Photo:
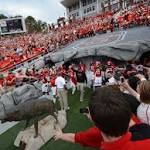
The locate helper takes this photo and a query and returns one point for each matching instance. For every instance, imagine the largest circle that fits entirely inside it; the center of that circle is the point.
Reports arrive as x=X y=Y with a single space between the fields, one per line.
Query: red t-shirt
x=93 y=138
x=52 y=81
x=72 y=76
x=1 y=82
x=125 y=143
x=82 y=67
x=63 y=72
x=10 y=79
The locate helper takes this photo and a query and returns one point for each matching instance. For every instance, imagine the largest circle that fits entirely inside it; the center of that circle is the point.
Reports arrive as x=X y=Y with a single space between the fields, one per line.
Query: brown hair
x=144 y=87
x=108 y=106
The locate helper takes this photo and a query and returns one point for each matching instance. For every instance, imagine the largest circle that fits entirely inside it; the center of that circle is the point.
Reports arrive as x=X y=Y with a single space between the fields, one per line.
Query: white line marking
x=6 y=126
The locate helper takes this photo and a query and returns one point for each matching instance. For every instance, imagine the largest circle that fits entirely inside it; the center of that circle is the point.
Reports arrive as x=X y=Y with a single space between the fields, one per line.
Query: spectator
x=143 y=110
x=111 y=114
x=110 y=77
x=62 y=91
x=73 y=80
x=81 y=80
x=10 y=79
x=45 y=88
x=142 y=94
x=97 y=81
x=53 y=87
x=133 y=82
x=19 y=78
x=22 y=47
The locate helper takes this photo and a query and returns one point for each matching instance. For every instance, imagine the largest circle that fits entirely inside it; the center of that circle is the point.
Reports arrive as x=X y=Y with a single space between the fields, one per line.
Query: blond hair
x=144 y=88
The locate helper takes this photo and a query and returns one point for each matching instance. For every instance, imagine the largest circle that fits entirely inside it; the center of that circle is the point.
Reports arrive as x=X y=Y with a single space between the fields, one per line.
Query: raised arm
x=69 y=137
x=130 y=90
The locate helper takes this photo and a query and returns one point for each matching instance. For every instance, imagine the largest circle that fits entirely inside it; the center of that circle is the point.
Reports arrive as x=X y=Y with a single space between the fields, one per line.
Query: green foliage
x=2 y=16
x=16 y=16
x=1 y=76
x=35 y=26
x=30 y=24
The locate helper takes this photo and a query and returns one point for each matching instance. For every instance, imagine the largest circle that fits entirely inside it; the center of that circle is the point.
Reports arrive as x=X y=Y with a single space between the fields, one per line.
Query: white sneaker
x=68 y=108
x=54 y=100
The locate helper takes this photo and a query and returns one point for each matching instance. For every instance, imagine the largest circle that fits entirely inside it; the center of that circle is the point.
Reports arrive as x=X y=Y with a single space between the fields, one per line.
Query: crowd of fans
x=15 y=49
x=121 y=90
x=116 y=126
x=119 y=106
x=121 y=94
x=97 y=74
x=116 y=89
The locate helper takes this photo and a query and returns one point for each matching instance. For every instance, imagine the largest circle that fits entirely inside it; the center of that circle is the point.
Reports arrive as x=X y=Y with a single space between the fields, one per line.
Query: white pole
x=97 y=6
x=80 y=9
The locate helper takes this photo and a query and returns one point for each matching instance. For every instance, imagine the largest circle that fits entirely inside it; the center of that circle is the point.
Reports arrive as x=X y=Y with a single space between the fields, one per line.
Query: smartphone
x=84 y=110
x=122 y=79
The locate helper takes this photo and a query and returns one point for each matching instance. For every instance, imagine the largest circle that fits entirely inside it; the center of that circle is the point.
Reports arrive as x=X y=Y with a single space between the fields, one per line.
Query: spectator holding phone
x=142 y=93
x=114 y=129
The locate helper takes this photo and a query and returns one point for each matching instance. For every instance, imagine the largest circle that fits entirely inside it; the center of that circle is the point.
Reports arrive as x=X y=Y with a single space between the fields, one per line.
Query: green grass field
x=76 y=122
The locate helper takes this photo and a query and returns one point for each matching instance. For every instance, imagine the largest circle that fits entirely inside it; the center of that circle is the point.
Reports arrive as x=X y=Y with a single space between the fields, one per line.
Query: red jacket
x=125 y=143
x=93 y=138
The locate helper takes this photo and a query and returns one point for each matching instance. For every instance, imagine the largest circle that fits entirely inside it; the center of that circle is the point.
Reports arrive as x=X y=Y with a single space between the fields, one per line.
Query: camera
x=84 y=110
x=122 y=79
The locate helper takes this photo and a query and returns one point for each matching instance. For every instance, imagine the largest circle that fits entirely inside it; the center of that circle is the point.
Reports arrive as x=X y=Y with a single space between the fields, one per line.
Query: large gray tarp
x=122 y=45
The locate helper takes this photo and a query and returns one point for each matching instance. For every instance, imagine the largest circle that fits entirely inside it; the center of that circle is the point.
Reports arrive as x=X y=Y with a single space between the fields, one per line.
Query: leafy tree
x=35 y=26
x=31 y=24
x=39 y=26
x=16 y=16
x=2 y=16
x=44 y=26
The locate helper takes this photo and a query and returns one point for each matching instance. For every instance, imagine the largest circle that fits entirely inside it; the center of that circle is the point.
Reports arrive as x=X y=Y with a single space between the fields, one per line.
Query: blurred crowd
x=120 y=112
x=15 y=49
x=131 y=79
x=76 y=76
x=121 y=91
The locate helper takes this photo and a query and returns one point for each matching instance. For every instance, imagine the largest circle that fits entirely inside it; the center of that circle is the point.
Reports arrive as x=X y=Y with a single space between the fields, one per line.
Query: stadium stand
x=17 y=49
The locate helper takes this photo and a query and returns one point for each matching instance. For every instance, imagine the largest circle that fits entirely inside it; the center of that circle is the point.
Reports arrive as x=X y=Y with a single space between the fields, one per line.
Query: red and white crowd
x=15 y=49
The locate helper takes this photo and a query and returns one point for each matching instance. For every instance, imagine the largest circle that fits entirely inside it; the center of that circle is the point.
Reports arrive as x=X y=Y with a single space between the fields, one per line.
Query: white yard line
x=5 y=126
x=123 y=35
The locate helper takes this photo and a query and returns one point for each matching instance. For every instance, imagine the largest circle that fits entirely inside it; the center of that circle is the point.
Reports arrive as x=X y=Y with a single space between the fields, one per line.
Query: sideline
x=122 y=36
x=6 y=126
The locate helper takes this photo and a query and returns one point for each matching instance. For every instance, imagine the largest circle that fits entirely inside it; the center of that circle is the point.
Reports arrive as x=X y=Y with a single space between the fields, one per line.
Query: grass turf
x=76 y=122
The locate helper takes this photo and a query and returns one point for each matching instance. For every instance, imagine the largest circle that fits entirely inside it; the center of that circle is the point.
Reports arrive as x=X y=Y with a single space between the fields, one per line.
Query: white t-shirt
x=98 y=81
x=143 y=113
x=45 y=87
x=112 y=81
x=60 y=82
x=90 y=77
